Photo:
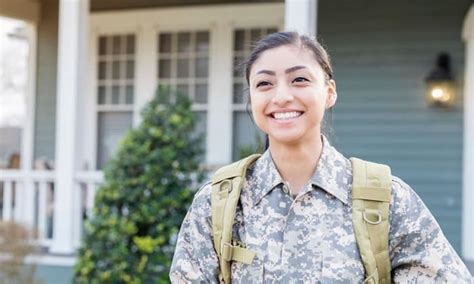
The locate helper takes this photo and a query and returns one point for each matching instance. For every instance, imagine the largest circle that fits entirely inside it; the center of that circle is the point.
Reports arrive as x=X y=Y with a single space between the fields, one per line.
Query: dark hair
x=278 y=39
x=290 y=38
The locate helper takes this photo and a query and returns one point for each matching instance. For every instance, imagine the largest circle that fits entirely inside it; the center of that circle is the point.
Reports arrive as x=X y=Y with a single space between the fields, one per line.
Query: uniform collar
x=332 y=174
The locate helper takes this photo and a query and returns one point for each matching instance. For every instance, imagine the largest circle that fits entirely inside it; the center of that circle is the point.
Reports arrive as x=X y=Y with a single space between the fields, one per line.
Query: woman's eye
x=300 y=80
x=262 y=84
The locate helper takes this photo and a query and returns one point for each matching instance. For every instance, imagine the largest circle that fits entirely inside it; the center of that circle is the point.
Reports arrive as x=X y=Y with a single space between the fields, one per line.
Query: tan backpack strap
x=227 y=183
x=371 y=193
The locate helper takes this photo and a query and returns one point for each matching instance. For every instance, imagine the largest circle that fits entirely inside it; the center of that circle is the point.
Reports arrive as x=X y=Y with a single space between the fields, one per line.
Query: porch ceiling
x=103 y=5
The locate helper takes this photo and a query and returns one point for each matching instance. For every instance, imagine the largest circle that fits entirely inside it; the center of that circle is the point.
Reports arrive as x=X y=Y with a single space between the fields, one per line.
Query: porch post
x=468 y=159
x=301 y=16
x=28 y=130
x=73 y=17
x=219 y=116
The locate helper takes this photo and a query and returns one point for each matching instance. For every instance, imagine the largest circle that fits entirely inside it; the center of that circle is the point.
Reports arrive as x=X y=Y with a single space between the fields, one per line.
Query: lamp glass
x=440 y=93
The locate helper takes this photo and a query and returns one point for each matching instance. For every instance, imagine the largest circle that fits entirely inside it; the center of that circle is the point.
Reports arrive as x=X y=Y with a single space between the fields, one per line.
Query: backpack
x=371 y=191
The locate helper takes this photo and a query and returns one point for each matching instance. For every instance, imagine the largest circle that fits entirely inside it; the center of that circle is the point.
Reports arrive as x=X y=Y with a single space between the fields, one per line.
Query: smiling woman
x=301 y=211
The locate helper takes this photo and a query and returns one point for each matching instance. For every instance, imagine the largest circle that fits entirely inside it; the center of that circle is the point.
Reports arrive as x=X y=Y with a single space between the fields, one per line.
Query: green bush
x=144 y=198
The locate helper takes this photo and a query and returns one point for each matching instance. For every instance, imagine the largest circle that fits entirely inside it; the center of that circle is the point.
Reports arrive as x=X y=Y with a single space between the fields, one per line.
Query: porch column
x=219 y=115
x=73 y=20
x=468 y=159
x=301 y=16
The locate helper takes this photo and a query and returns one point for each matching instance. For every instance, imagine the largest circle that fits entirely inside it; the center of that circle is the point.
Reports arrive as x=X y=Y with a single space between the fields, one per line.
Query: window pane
x=165 y=43
x=246 y=135
x=129 y=94
x=130 y=44
x=184 y=42
x=102 y=70
x=272 y=30
x=202 y=41
x=238 y=93
x=111 y=128
x=200 y=94
x=201 y=67
x=101 y=95
x=183 y=88
x=116 y=69
x=164 y=70
x=130 y=69
x=238 y=68
x=183 y=68
x=102 y=45
x=116 y=45
x=255 y=35
x=165 y=94
x=239 y=40
x=115 y=95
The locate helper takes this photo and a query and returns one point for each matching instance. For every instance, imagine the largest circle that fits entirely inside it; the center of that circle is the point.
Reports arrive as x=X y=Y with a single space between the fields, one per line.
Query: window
x=246 y=135
x=183 y=65
x=115 y=92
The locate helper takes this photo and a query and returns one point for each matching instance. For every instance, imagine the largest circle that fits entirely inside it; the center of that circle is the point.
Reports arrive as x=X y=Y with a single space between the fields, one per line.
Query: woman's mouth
x=286 y=115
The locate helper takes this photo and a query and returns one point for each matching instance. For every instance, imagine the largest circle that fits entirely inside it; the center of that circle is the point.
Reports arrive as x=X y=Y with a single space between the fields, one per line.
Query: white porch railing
x=27 y=197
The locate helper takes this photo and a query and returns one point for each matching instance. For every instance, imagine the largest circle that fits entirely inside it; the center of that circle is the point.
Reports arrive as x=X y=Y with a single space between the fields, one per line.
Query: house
x=93 y=65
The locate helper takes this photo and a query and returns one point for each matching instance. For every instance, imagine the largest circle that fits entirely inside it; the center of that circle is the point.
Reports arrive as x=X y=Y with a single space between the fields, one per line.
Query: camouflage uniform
x=309 y=238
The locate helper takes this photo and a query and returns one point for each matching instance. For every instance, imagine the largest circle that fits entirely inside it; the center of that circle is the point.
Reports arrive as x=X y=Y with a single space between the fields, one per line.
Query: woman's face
x=289 y=94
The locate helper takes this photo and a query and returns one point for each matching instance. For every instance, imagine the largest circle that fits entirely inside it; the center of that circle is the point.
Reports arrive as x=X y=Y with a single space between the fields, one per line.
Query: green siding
x=45 y=113
x=381 y=52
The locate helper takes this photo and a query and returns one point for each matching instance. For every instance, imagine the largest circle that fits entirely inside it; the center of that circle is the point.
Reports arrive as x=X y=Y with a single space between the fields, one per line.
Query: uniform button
x=286 y=188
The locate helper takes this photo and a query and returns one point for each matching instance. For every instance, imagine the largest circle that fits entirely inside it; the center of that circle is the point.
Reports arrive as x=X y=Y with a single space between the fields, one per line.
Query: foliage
x=258 y=146
x=15 y=245
x=146 y=193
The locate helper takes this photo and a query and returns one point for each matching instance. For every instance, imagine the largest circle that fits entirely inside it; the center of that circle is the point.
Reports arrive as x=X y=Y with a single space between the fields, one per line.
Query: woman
x=295 y=209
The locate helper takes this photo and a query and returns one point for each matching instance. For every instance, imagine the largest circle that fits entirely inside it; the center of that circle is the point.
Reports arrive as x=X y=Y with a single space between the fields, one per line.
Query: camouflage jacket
x=309 y=238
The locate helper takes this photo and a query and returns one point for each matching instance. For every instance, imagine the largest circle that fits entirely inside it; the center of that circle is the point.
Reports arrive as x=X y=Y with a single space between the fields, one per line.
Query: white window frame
x=146 y=24
x=195 y=106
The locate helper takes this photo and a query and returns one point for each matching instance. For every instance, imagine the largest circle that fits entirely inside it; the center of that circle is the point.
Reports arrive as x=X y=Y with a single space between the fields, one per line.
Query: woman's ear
x=332 y=94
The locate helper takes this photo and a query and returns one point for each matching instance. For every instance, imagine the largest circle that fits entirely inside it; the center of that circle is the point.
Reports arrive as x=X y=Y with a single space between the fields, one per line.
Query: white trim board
x=242 y=15
x=146 y=24
x=468 y=152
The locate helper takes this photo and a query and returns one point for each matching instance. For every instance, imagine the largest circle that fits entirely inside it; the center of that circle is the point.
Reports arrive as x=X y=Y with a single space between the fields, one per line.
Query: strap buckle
x=227 y=250
x=225 y=186
x=372 y=212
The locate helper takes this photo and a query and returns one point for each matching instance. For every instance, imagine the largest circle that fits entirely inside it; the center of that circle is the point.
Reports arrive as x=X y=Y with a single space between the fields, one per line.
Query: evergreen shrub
x=147 y=189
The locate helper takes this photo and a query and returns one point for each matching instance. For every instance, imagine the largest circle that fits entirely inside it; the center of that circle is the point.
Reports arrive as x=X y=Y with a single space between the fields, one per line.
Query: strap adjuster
x=227 y=250
x=372 y=212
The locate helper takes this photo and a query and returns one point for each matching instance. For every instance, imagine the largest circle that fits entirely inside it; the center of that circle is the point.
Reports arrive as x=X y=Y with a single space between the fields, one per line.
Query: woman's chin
x=289 y=139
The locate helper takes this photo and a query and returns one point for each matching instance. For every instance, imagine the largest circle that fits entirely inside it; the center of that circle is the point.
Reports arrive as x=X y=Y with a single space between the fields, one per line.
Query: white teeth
x=286 y=115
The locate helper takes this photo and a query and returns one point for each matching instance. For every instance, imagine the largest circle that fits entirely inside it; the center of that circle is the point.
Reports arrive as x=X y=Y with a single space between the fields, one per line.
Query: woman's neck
x=296 y=163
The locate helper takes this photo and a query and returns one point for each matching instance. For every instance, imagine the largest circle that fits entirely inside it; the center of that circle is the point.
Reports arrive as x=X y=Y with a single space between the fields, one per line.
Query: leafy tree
x=145 y=195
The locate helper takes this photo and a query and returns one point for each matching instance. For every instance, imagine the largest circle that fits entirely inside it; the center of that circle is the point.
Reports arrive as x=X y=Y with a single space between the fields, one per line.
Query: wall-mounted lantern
x=440 y=83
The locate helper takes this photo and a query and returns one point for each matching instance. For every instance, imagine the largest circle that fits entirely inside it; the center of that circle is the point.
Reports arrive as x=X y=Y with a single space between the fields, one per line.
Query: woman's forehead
x=283 y=57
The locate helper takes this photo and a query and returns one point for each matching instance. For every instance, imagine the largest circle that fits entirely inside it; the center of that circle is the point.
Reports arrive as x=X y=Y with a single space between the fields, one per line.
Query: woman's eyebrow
x=295 y=68
x=268 y=72
x=289 y=70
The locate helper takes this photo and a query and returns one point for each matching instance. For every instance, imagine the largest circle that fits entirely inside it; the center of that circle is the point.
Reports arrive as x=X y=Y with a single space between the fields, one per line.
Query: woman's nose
x=283 y=94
